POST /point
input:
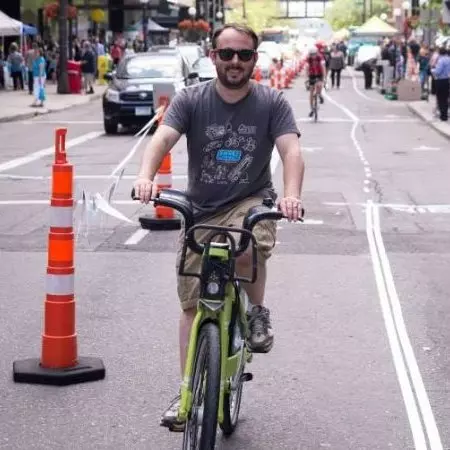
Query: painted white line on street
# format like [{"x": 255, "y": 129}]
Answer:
[
  {"x": 76, "y": 177},
  {"x": 399, "y": 363},
  {"x": 12, "y": 164},
  {"x": 62, "y": 122},
  {"x": 325, "y": 120},
  {"x": 425, "y": 148},
  {"x": 305, "y": 222},
  {"x": 357, "y": 90},
  {"x": 405, "y": 343},
  {"x": 137, "y": 237}
]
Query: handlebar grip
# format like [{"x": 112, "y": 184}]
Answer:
[{"x": 133, "y": 195}]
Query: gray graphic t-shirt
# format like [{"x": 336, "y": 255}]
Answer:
[{"x": 229, "y": 145}]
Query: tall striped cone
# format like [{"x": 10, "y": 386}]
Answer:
[
  {"x": 165, "y": 218},
  {"x": 59, "y": 363}
]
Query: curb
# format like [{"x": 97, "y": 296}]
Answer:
[
  {"x": 43, "y": 112},
  {"x": 433, "y": 124}
]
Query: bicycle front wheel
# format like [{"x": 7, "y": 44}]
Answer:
[{"x": 201, "y": 427}]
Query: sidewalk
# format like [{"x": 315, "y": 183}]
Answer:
[
  {"x": 424, "y": 110},
  {"x": 15, "y": 105}
]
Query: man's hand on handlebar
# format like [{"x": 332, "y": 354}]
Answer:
[
  {"x": 291, "y": 207},
  {"x": 144, "y": 189}
]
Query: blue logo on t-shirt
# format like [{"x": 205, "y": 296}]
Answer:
[{"x": 228, "y": 156}]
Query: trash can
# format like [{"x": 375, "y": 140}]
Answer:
[{"x": 75, "y": 77}]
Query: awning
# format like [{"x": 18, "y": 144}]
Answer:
[
  {"x": 9, "y": 26},
  {"x": 375, "y": 27}
]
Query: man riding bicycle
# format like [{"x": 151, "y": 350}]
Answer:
[
  {"x": 231, "y": 125},
  {"x": 316, "y": 73}
]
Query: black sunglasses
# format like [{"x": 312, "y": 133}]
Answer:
[{"x": 227, "y": 54}]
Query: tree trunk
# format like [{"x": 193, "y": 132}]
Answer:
[{"x": 63, "y": 79}]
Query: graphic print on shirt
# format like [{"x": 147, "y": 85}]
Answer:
[{"x": 228, "y": 155}]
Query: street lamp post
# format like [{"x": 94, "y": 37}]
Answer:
[
  {"x": 397, "y": 15},
  {"x": 219, "y": 16},
  {"x": 144, "y": 4},
  {"x": 405, "y": 6}
]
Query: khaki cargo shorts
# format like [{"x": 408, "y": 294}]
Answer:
[{"x": 265, "y": 234}]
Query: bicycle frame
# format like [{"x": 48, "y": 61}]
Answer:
[{"x": 220, "y": 312}]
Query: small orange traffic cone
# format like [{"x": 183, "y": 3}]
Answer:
[
  {"x": 165, "y": 217},
  {"x": 59, "y": 363}
]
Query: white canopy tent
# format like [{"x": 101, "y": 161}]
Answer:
[{"x": 9, "y": 26}]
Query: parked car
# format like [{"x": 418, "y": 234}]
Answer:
[
  {"x": 205, "y": 68},
  {"x": 128, "y": 100},
  {"x": 191, "y": 52}
]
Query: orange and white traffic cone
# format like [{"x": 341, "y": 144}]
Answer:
[
  {"x": 258, "y": 74},
  {"x": 165, "y": 217},
  {"x": 59, "y": 363}
]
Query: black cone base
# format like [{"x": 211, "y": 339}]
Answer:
[
  {"x": 30, "y": 371},
  {"x": 153, "y": 223}
]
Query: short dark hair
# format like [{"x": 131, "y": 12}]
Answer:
[{"x": 244, "y": 29}]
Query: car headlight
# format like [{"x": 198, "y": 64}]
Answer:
[{"x": 112, "y": 95}]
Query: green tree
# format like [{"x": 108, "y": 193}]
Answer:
[
  {"x": 344, "y": 13},
  {"x": 258, "y": 14}
]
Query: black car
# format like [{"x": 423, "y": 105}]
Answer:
[{"x": 129, "y": 98}]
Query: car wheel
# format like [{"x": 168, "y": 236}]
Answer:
[{"x": 110, "y": 127}]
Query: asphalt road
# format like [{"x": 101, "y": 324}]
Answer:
[{"x": 358, "y": 294}]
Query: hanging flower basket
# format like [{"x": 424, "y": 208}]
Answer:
[
  {"x": 51, "y": 11},
  {"x": 194, "y": 30}
]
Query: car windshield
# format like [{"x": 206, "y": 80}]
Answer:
[
  {"x": 149, "y": 67},
  {"x": 204, "y": 64}
]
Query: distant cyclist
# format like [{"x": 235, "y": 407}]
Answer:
[{"x": 315, "y": 66}]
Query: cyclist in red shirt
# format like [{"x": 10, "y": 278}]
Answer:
[{"x": 315, "y": 63}]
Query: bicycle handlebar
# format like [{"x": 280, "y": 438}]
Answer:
[{"x": 180, "y": 201}]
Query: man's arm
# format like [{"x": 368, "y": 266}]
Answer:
[
  {"x": 162, "y": 142},
  {"x": 288, "y": 146}
]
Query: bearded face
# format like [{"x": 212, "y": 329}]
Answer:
[{"x": 234, "y": 58}]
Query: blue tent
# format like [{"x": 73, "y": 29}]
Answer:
[{"x": 29, "y": 30}]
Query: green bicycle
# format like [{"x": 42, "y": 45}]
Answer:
[{"x": 212, "y": 386}]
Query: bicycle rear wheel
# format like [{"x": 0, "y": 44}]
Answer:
[{"x": 201, "y": 426}]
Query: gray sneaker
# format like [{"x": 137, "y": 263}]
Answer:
[
  {"x": 261, "y": 333},
  {"x": 170, "y": 417}
]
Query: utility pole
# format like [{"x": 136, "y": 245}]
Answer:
[{"x": 63, "y": 78}]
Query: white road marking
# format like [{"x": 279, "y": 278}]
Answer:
[
  {"x": 425, "y": 148},
  {"x": 357, "y": 90},
  {"x": 392, "y": 308},
  {"x": 77, "y": 177},
  {"x": 17, "y": 162},
  {"x": 433, "y": 209},
  {"x": 137, "y": 237},
  {"x": 311, "y": 149},
  {"x": 62, "y": 122},
  {"x": 305, "y": 222},
  {"x": 399, "y": 363},
  {"x": 395, "y": 326}
]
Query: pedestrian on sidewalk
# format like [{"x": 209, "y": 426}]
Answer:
[
  {"x": 29, "y": 58},
  {"x": 441, "y": 74},
  {"x": 424, "y": 67},
  {"x": 88, "y": 68},
  {"x": 337, "y": 63},
  {"x": 39, "y": 77},
  {"x": 16, "y": 62}
]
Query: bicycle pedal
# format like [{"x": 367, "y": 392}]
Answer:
[
  {"x": 246, "y": 377},
  {"x": 176, "y": 428}
]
